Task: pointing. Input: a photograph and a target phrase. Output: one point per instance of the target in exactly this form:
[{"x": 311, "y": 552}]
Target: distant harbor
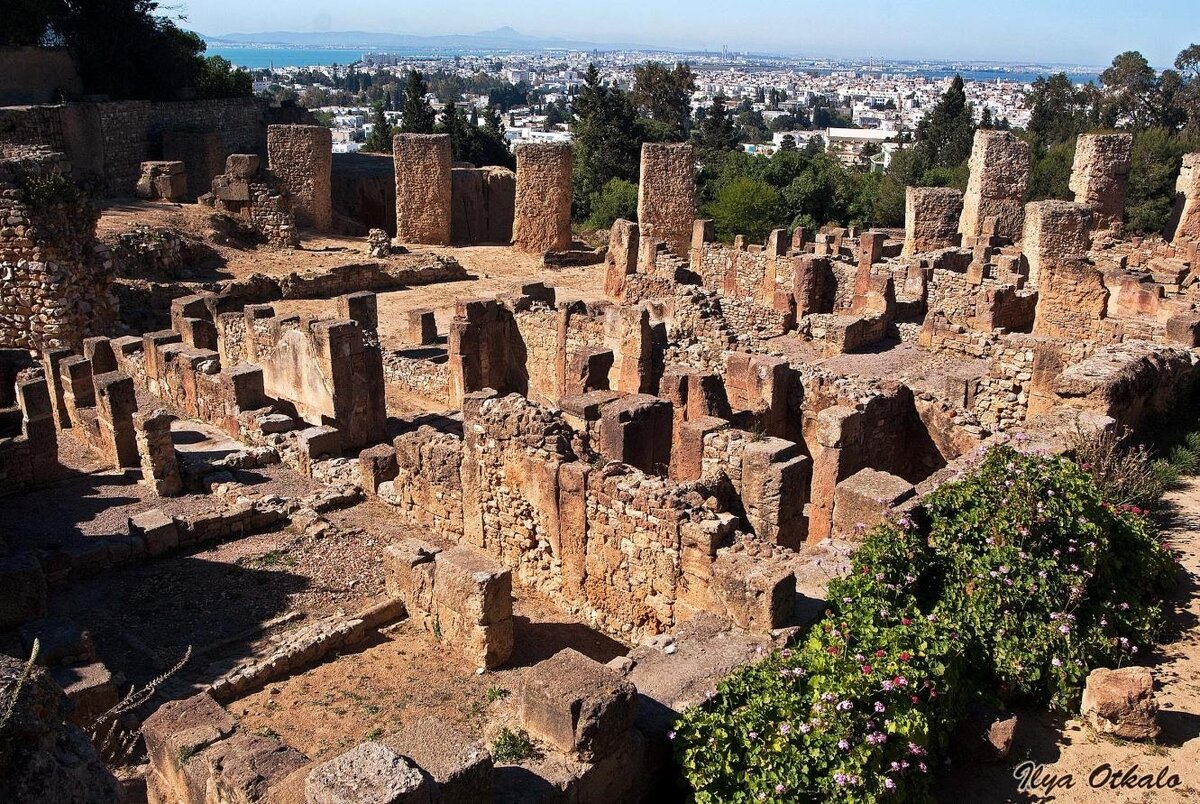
[{"x": 262, "y": 57}]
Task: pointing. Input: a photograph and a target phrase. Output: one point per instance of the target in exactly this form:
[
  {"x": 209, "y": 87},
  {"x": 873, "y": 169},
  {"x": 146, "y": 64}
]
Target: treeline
[
  {"x": 742, "y": 193},
  {"x": 124, "y": 49},
  {"x": 473, "y": 138},
  {"x": 808, "y": 187}
]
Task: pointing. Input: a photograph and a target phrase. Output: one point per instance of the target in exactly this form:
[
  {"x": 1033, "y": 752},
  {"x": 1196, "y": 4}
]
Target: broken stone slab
[
  {"x": 369, "y": 773},
  {"x": 460, "y": 767},
  {"x": 90, "y": 687},
  {"x": 1121, "y": 703},
  {"x": 180, "y": 729}
]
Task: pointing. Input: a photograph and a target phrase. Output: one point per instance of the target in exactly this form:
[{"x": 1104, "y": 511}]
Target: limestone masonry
[{"x": 368, "y": 513}]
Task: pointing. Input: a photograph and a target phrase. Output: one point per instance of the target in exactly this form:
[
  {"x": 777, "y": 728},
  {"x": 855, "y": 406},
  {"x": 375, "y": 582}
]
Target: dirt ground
[
  {"x": 494, "y": 270},
  {"x": 405, "y": 675},
  {"x": 1069, "y": 753}
]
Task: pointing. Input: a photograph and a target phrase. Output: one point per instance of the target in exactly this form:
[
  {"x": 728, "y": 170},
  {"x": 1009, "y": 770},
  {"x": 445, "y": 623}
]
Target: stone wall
[
  {"x": 301, "y": 158},
  {"x": 423, "y": 187},
  {"x": 542, "y": 218},
  {"x": 56, "y": 277},
  {"x": 1000, "y": 164},
  {"x": 1072, "y": 300},
  {"x": 666, "y": 194},
  {"x": 1100, "y": 176}
]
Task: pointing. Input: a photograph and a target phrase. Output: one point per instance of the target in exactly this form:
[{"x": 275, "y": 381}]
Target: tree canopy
[
  {"x": 418, "y": 115},
  {"x": 124, "y": 49}
]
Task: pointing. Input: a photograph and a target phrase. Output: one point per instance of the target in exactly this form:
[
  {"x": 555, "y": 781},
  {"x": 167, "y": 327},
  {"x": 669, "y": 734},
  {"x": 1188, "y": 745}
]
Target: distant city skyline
[{"x": 1054, "y": 31}]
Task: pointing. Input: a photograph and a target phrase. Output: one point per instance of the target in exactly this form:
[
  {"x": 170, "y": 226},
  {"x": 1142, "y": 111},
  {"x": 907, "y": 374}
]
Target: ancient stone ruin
[{"x": 478, "y": 523}]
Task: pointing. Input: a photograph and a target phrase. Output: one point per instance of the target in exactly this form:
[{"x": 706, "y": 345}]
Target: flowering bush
[
  {"x": 1044, "y": 578},
  {"x": 1011, "y": 583}
]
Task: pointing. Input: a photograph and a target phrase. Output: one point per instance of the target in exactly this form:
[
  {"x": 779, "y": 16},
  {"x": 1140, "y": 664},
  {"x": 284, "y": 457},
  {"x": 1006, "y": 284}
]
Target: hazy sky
[{"x": 1075, "y": 31}]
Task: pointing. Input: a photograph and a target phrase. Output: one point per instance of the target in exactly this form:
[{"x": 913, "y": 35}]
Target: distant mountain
[{"x": 504, "y": 38}]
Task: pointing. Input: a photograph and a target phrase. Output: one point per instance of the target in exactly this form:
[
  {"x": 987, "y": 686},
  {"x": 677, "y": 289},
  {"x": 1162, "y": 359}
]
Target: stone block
[
  {"x": 377, "y": 465},
  {"x": 252, "y": 768},
  {"x": 1121, "y": 703},
  {"x": 577, "y": 705},
  {"x": 475, "y": 585},
  {"x": 90, "y": 687},
  {"x": 242, "y": 166},
  {"x": 369, "y": 773},
  {"x": 157, "y": 530},
  {"x": 408, "y": 572},
  {"x": 862, "y": 500},
  {"x": 178, "y": 731},
  {"x": 422, "y": 327}
]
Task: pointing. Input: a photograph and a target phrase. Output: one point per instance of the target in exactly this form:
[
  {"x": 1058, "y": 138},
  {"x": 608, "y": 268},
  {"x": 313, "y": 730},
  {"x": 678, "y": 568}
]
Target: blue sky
[{"x": 1071, "y": 31}]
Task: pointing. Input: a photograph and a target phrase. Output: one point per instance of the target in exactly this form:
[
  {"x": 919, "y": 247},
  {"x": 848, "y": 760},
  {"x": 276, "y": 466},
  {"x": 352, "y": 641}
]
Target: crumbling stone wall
[
  {"x": 1000, "y": 164},
  {"x": 423, "y": 188},
  {"x": 1054, "y": 231},
  {"x": 931, "y": 216},
  {"x": 301, "y": 157},
  {"x": 666, "y": 194},
  {"x": 542, "y": 220},
  {"x": 56, "y": 277},
  {"x": 1100, "y": 176},
  {"x": 256, "y": 195}
]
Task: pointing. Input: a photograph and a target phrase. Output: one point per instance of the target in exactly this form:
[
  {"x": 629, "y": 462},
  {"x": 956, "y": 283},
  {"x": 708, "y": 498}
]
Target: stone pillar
[
  {"x": 116, "y": 403},
  {"x": 1000, "y": 164},
  {"x": 931, "y": 217},
  {"x": 1100, "y": 176},
  {"x": 667, "y": 194},
  {"x": 1185, "y": 221},
  {"x": 160, "y": 465},
  {"x": 423, "y": 180},
  {"x": 301, "y": 157},
  {"x": 543, "y": 208},
  {"x": 1054, "y": 231}
]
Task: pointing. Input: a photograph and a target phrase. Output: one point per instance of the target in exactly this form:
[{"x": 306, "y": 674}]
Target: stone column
[
  {"x": 1185, "y": 221},
  {"x": 931, "y": 217},
  {"x": 1100, "y": 176},
  {"x": 1000, "y": 164},
  {"x": 1054, "y": 231},
  {"x": 423, "y": 179},
  {"x": 543, "y": 207},
  {"x": 666, "y": 194},
  {"x": 160, "y": 465},
  {"x": 622, "y": 257},
  {"x": 301, "y": 157}
]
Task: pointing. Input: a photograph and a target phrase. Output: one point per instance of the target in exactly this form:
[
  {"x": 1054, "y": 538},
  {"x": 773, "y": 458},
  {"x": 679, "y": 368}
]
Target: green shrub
[
  {"x": 1010, "y": 584},
  {"x": 512, "y": 746},
  {"x": 618, "y": 199}
]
